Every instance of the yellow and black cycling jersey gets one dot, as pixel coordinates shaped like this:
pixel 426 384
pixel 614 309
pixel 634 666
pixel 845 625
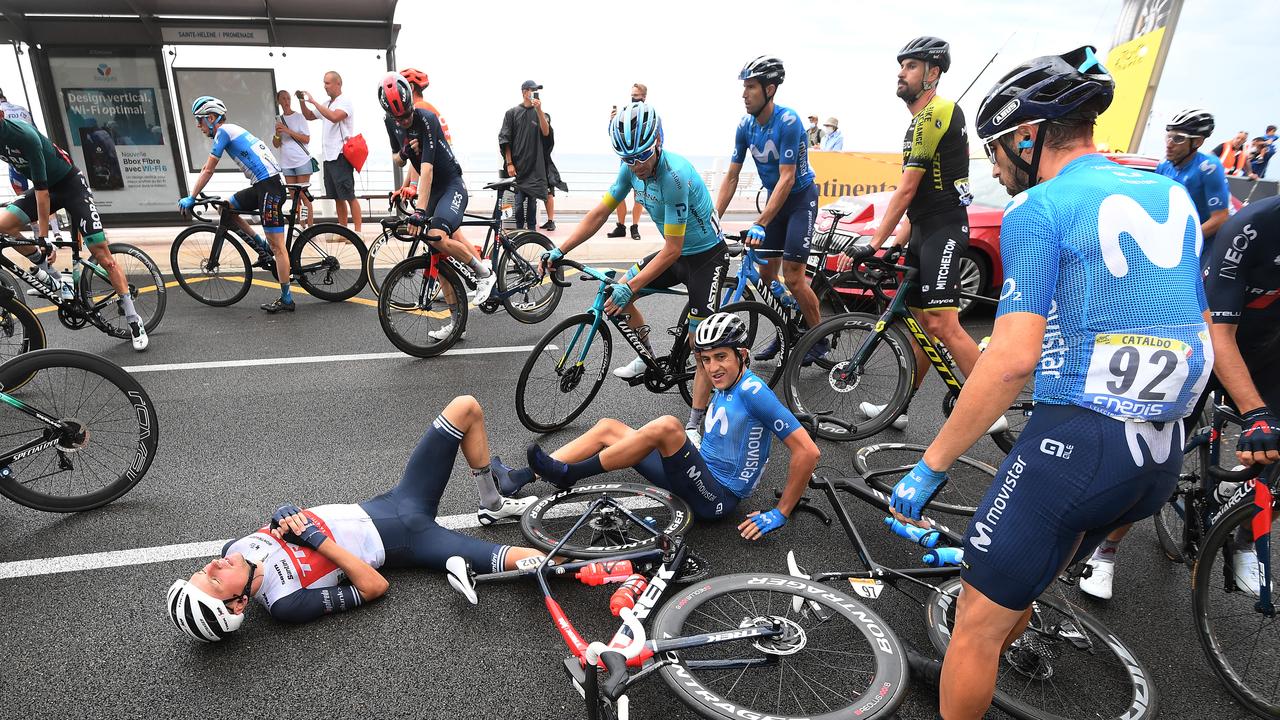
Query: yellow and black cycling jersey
pixel 936 144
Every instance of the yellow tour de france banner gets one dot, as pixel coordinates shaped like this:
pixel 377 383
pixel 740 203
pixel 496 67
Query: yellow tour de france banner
pixel 1131 64
pixel 854 173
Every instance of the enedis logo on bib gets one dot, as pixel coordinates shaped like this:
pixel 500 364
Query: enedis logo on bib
pixel 1135 375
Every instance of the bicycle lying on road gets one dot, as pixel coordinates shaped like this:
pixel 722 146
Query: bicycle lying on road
pixel 211 263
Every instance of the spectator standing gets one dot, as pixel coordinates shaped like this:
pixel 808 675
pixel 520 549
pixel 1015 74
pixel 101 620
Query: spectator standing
pixel 639 93
pixel 293 139
pixel 1258 158
pixel 339 124
pixel 834 141
pixel 1233 156
pixel 554 180
pixel 814 133
pixel 520 141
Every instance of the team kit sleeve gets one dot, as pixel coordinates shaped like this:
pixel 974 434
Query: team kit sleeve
pixel 1215 188
pixel 618 191
pixel 675 195
pixel 1224 269
pixel 764 406
pixel 220 141
pixel 792 139
pixel 429 140
pixel 392 133
pixel 307 605
pixel 1031 253
pixel 28 141
pixel 740 140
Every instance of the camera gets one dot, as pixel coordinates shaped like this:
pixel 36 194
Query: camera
pixel 300 94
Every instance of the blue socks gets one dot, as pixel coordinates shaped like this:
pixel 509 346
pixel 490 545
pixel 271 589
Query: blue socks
pixel 560 474
pixel 286 294
pixel 509 480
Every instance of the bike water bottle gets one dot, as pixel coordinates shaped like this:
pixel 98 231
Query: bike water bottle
pixel 626 596
pixel 918 535
pixel 940 557
pixel 783 296
pixel 600 573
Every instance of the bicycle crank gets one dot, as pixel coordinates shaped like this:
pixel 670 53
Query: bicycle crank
pixel 72 318
pixel 490 306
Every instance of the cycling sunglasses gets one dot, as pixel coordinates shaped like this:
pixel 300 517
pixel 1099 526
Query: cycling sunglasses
pixel 638 157
pixel 1177 138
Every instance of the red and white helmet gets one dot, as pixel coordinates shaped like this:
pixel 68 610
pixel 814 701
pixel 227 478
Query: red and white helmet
pixel 395 95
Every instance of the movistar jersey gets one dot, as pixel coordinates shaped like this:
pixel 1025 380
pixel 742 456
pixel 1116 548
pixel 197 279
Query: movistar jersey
pixel 735 434
pixel 1205 180
pixel 781 141
pixel 250 153
pixel 936 145
pixel 298 583
pixel 1110 257
pixel 676 198
pixel 30 153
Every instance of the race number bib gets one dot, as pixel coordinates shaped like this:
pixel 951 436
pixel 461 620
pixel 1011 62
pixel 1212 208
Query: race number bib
pixel 1137 376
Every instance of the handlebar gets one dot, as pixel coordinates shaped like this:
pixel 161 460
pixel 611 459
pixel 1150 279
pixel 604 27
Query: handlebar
pixel 585 269
pixel 1223 475
pixel 615 659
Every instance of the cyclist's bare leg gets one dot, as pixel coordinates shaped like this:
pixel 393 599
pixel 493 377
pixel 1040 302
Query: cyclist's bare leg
pixel 665 434
pixel 635 213
pixel 622 212
pixel 438 236
pixel 305 201
pixel 769 271
pixel 604 433
pixel 798 283
pixel 701 382
pixel 281 253
pixel 983 629
pixel 11 224
pixel 944 324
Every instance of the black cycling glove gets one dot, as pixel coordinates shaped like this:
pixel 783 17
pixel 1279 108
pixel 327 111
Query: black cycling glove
pixel 1261 432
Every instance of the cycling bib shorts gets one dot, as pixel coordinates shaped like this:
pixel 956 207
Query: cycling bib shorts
pixel 72 194
pixel 267 198
pixel 792 229
pixel 701 274
pixel 447 204
pixel 686 474
pixel 937 244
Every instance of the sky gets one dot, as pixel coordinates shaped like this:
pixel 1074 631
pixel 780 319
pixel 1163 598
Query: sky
pixel 839 59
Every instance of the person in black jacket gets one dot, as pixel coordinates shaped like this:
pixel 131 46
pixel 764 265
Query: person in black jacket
pixel 520 140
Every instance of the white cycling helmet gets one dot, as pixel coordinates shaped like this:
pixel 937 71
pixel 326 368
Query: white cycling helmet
pixel 206 104
pixel 199 614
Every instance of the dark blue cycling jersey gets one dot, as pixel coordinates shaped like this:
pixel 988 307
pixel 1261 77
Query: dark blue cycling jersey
pixel 781 141
pixel 735 440
pixel 433 149
pixel 1242 274
pixel 1205 180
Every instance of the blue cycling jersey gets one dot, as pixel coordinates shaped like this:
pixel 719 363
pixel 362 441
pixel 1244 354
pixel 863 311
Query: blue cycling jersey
pixel 1205 180
pixel 735 445
pixel 781 141
pixel 677 200
pixel 1110 257
pixel 250 153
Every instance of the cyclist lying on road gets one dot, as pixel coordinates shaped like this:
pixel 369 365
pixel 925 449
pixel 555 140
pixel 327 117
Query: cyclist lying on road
pixel 733 453
pixel 296 566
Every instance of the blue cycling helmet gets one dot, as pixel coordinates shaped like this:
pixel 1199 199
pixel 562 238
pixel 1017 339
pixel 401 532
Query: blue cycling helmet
pixel 635 128
pixel 1074 86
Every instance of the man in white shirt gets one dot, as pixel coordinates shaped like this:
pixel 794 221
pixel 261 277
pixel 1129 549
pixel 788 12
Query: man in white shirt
pixel 834 141
pixel 339 124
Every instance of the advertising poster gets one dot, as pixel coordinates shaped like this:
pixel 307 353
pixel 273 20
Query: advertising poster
pixel 118 130
pixel 1132 65
pixel 841 174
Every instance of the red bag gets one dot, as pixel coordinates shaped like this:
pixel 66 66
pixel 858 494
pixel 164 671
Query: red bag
pixel 356 151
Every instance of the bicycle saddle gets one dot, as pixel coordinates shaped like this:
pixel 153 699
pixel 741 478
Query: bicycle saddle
pixel 501 185
pixel 735 249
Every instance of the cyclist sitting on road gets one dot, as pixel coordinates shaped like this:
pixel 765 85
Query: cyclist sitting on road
pixel 1103 302
pixel 735 446
pixel 58 185
pixel 439 209
pixel 934 194
pixel 1242 285
pixel 779 146
pixel 1201 174
pixel 298 565
pixel 265 195
pixel 693 253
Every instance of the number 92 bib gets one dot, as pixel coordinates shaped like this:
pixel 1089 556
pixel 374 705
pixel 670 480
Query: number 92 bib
pixel 1145 376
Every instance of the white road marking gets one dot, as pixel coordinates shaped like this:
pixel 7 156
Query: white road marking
pixel 316 359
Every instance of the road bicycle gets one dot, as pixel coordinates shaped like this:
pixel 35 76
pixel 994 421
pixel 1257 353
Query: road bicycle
pixel 94 301
pixel 567 367
pixel 210 260
pixel 871 362
pixel 20 328
pixel 423 305
pixel 76 430
pixel 514 254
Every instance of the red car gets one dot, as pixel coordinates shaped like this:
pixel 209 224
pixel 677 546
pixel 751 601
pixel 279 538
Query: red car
pixel 980 270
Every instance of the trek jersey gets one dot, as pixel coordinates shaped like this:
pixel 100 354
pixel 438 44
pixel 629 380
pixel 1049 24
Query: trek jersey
pixel 433 148
pixel 676 198
pixel 31 153
pixel 251 154
pixel 1110 257
pixel 734 441
pixel 782 141
pixel 1242 273
pixel 1205 180
pixel 298 583
pixel 937 145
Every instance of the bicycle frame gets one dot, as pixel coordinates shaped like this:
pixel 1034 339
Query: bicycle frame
pixel 227 224
pixel 749 276
pixel 88 309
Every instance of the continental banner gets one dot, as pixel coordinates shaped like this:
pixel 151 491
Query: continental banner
pixel 839 174
pixel 1131 64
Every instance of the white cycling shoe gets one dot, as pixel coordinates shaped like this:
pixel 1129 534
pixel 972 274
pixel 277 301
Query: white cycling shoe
pixel 459 576
pixel 442 333
pixel 511 508
pixel 139 335
pixel 1098 584
pixel 633 369
pixel 1244 567
pixel 900 423
pixel 484 286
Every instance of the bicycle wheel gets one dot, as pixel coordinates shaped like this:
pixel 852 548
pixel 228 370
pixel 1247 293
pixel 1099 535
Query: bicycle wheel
pixel 882 465
pixel 328 260
pixel 385 253
pixel 108 437
pixel 835 660
pixel 20 329
pixel 8 280
pixel 1067 665
pixel 609 530
pixel 146 287
pixel 422 316
pixel 764 326
pixel 563 373
pixel 1171 521
pixel 518 268
pixel 842 390
pixel 1238 638
pixel 221 283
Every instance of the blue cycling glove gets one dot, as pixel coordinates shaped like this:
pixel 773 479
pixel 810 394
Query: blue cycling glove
pixel 767 522
pixel 756 233
pixel 1261 431
pixel 621 295
pixel 186 203
pixel 551 257
pixel 916 489
pixel 311 535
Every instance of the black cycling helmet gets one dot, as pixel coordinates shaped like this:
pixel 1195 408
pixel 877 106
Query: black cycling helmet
pixel 1192 121
pixel 720 330
pixel 764 68
pixel 935 51
pixel 1074 86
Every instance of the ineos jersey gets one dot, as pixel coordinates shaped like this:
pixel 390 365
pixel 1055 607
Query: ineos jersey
pixel 433 149
pixel 298 583
pixel 1109 256
pixel 735 440
pixel 251 154
pixel 1242 273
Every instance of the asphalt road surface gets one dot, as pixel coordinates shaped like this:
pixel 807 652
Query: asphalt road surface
pixel 304 425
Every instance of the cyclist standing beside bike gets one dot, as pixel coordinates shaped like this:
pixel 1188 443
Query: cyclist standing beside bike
pixel 1102 302
pixel 58 185
pixel 265 195
pixel 693 253
pixel 779 146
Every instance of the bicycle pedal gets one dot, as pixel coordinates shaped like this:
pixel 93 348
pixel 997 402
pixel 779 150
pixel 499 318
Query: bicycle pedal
pixel 489 307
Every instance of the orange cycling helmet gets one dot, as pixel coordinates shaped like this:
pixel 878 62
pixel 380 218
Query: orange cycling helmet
pixel 416 78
